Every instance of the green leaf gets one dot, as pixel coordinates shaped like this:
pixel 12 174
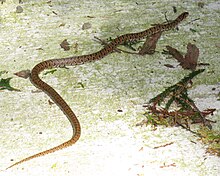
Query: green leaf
pixel 193 30
pixel 50 71
pixel 5 84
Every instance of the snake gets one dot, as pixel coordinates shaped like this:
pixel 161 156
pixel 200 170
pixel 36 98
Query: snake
pixel 78 60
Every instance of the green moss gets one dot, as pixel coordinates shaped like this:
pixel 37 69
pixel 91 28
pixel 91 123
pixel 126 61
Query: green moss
pixel 212 139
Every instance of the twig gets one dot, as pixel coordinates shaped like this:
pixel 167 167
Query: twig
pixel 116 49
pixel 163 145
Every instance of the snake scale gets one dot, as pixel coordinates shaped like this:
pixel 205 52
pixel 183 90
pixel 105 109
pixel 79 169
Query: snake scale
pixel 77 60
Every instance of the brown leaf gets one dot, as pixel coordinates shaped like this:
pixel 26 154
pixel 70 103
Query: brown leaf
pixel 191 57
pixel 150 44
pixel 65 45
pixel 175 53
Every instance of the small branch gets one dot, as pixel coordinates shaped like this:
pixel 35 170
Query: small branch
pixel 116 49
pixel 163 145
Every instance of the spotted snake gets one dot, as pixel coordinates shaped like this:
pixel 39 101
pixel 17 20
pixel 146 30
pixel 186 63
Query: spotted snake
pixel 77 60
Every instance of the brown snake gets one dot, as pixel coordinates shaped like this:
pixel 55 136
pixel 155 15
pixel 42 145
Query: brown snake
pixel 77 60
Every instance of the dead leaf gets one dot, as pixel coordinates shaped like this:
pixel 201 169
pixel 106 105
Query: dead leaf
pixel 150 44
pixel 65 45
pixel 191 57
pixel 175 53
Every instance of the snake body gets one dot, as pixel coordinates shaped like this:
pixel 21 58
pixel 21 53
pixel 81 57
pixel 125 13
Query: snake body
pixel 77 60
